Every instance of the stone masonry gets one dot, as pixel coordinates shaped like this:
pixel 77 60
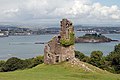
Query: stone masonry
pixel 54 51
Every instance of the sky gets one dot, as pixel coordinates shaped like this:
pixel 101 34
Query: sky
pixel 52 11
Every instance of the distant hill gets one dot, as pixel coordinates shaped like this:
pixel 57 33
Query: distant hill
pixel 7 26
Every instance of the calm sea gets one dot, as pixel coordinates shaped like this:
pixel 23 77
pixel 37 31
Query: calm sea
pixel 24 47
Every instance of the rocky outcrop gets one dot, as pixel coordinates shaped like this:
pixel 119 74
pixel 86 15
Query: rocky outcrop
pixel 60 48
pixel 82 40
pixel 77 63
pixel 93 38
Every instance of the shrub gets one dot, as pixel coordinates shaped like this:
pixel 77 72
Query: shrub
pixel 117 49
pixel 114 59
pixel 2 63
pixel 79 55
pixel 66 43
pixel 86 59
pixel 37 60
pixel 12 64
pixel 27 62
pixel 95 58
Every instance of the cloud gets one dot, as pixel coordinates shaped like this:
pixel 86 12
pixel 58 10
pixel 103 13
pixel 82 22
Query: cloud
pixel 10 12
pixel 51 9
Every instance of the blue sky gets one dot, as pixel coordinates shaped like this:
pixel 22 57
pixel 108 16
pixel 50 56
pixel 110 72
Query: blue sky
pixel 52 11
pixel 108 2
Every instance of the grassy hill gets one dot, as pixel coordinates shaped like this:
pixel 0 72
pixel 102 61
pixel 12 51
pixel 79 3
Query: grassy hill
pixel 64 71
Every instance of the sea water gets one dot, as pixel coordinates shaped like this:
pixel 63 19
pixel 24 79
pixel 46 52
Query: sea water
pixel 25 47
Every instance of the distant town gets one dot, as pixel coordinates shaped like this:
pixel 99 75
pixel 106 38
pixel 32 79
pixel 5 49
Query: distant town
pixel 8 30
pixel 101 30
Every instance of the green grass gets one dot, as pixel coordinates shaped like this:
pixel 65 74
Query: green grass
pixel 62 71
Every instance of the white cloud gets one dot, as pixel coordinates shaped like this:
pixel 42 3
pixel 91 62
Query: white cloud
pixel 77 9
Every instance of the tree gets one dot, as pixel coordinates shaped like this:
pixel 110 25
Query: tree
pixel 95 58
pixel 114 59
pixel 117 49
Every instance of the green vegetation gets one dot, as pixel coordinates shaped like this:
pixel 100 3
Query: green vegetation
pixel 95 58
pixel 62 71
pixel 1 63
pixel 14 63
pixel 110 62
pixel 82 57
pixel 68 42
pixel 94 36
pixel 79 55
pixel 114 59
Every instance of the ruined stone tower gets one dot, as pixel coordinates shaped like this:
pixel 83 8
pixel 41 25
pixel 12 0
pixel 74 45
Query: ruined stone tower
pixel 60 48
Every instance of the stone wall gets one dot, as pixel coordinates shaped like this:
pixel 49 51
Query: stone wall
pixel 54 52
pixel 66 29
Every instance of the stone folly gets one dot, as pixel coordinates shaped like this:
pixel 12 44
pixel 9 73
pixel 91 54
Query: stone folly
pixel 60 48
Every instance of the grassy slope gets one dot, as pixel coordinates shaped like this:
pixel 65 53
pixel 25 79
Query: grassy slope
pixel 62 71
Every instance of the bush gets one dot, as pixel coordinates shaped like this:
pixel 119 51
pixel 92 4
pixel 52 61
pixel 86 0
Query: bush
pixel 110 62
pixel 114 59
pixel 86 59
pixel 12 64
pixel 79 55
pixel 97 55
pixel 117 49
pixel 28 62
pixel 2 63
pixel 37 60
pixel 95 58
pixel 82 57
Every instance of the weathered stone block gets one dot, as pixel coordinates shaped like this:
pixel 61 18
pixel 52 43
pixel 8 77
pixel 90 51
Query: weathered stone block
pixel 54 51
